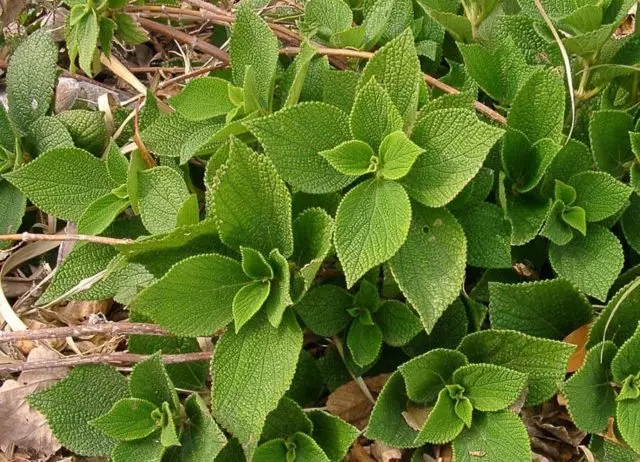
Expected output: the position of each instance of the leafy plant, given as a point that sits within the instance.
(328, 225)
(91, 23)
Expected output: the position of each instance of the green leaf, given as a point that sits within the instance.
(430, 266)
(458, 26)
(427, 374)
(299, 68)
(627, 360)
(149, 381)
(488, 435)
(48, 133)
(464, 410)
(280, 296)
(312, 242)
(375, 22)
(168, 434)
(398, 323)
(101, 213)
(328, 16)
(630, 223)
(87, 30)
(201, 438)
(272, 450)
(148, 449)
(527, 215)
(129, 419)
(556, 228)
(499, 72)
(550, 309)
(592, 262)
(161, 193)
(386, 423)
(252, 205)
(12, 204)
(395, 66)
(489, 387)
(63, 182)
(537, 117)
(456, 144)
(324, 309)
(339, 88)
(106, 28)
(31, 78)
(7, 131)
(293, 137)
(488, 236)
(397, 155)
(525, 162)
(574, 157)
(308, 382)
(364, 342)
(83, 262)
(352, 158)
(100, 387)
(443, 424)
(588, 45)
(628, 418)
(190, 305)
(255, 265)
(203, 99)
(608, 133)
(248, 300)
(286, 420)
(253, 44)
(117, 164)
(307, 449)
(619, 319)
(128, 31)
(373, 115)
(372, 223)
(88, 129)
(166, 135)
(332, 434)
(251, 371)
(590, 396)
(599, 194)
(543, 360)
(367, 297)
(137, 164)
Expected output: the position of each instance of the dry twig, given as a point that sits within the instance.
(115, 359)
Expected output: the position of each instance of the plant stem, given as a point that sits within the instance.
(105, 328)
(196, 43)
(31, 237)
(115, 359)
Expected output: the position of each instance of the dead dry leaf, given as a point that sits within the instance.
(578, 337)
(20, 425)
(416, 416)
(349, 402)
(383, 453)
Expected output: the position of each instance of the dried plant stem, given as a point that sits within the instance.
(115, 359)
(196, 43)
(104, 328)
(31, 237)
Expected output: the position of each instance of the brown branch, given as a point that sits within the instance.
(31, 237)
(196, 43)
(105, 328)
(115, 359)
(481, 108)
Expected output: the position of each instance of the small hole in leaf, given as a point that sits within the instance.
(425, 229)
